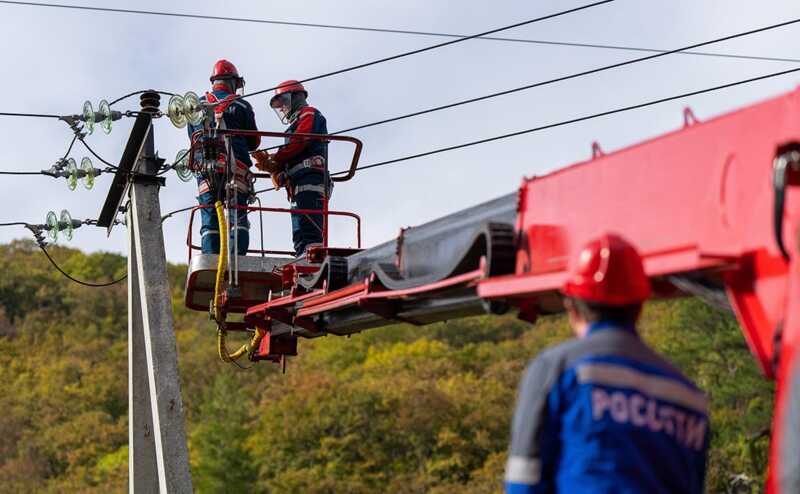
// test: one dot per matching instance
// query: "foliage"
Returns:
(401, 409)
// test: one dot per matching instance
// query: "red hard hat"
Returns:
(223, 69)
(288, 87)
(608, 271)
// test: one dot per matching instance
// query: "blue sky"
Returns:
(55, 59)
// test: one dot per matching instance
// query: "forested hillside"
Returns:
(394, 410)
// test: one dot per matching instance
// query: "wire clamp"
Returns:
(38, 234)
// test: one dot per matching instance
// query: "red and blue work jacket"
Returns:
(301, 155)
(234, 113)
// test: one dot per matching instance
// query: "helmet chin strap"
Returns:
(283, 119)
(293, 116)
(296, 105)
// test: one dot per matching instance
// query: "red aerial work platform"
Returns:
(714, 208)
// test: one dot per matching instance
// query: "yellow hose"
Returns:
(247, 348)
(222, 265)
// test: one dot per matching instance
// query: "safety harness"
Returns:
(243, 177)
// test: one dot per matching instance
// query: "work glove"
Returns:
(265, 163)
(278, 180)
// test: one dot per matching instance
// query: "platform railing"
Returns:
(192, 247)
(347, 175)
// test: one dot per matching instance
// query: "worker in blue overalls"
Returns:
(605, 413)
(300, 164)
(231, 112)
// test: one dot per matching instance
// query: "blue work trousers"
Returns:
(209, 229)
(307, 228)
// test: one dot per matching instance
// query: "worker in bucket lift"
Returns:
(300, 165)
(231, 112)
(605, 413)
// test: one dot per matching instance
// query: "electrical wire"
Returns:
(53, 262)
(386, 30)
(370, 63)
(32, 115)
(170, 167)
(112, 167)
(84, 283)
(564, 78)
(171, 213)
(69, 149)
(165, 93)
(438, 45)
(567, 122)
(47, 115)
(538, 129)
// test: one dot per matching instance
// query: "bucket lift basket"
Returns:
(261, 271)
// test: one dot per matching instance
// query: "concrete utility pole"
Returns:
(158, 454)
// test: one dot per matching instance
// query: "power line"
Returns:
(541, 128)
(83, 141)
(53, 262)
(389, 31)
(80, 282)
(32, 115)
(69, 148)
(61, 117)
(170, 167)
(562, 78)
(568, 77)
(567, 122)
(439, 45)
(171, 213)
(165, 93)
(346, 69)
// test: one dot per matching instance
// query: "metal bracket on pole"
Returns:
(142, 128)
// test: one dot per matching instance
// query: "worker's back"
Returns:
(607, 414)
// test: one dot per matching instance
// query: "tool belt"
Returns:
(209, 171)
(242, 176)
(314, 162)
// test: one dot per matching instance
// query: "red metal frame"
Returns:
(351, 171)
(297, 309)
(356, 217)
(701, 200)
(686, 204)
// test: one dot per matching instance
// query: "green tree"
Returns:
(220, 461)
(401, 409)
